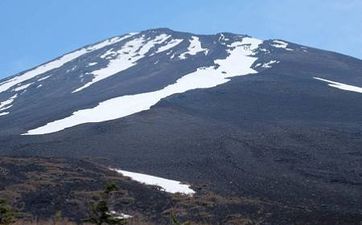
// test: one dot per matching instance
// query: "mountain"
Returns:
(238, 116)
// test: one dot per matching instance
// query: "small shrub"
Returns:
(99, 211)
(7, 215)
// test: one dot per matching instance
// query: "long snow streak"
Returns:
(4, 113)
(4, 86)
(170, 186)
(7, 104)
(237, 63)
(171, 44)
(126, 57)
(341, 86)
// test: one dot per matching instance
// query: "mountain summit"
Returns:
(241, 116)
(135, 68)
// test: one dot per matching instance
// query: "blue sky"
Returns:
(32, 32)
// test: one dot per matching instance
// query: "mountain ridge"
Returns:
(169, 30)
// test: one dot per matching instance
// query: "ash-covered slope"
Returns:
(240, 116)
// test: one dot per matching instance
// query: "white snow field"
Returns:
(194, 48)
(170, 186)
(341, 86)
(126, 57)
(237, 63)
(7, 84)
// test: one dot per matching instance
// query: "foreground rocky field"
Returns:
(61, 191)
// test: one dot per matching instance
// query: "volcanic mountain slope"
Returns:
(245, 117)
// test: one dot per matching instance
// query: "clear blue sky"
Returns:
(34, 31)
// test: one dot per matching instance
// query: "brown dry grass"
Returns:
(133, 221)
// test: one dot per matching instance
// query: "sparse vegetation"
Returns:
(174, 220)
(7, 214)
(100, 212)
(47, 191)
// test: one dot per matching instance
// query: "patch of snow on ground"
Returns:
(71, 69)
(222, 38)
(194, 48)
(249, 45)
(22, 87)
(170, 186)
(119, 215)
(7, 103)
(238, 63)
(126, 57)
(171, 44)
(268, 64)
(109, 54)
(150, 44)
(4, 113)
(304, 49)
(258, 64)
(281, 44)
(4, 86)
(43, 78)
(92, 63)
(341, 86)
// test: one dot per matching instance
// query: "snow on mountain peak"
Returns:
(4, 86)
(239, 62)
(211, 60)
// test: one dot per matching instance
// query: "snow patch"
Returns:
(257, 65)
(194, 48)
(341, 86)
(171, 44)
(71, 69)
(170, 186)
(92, 63)
(126, 57)
(4, 86)
(7, 103)
(4, 113)
(268, 64)
(110, 54)
(249, 45)
(281, 44)
(237, 63)
(22, 87)
(222, 39)
(43, 78)
(119, 215)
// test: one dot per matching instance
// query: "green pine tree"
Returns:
(100, 213)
